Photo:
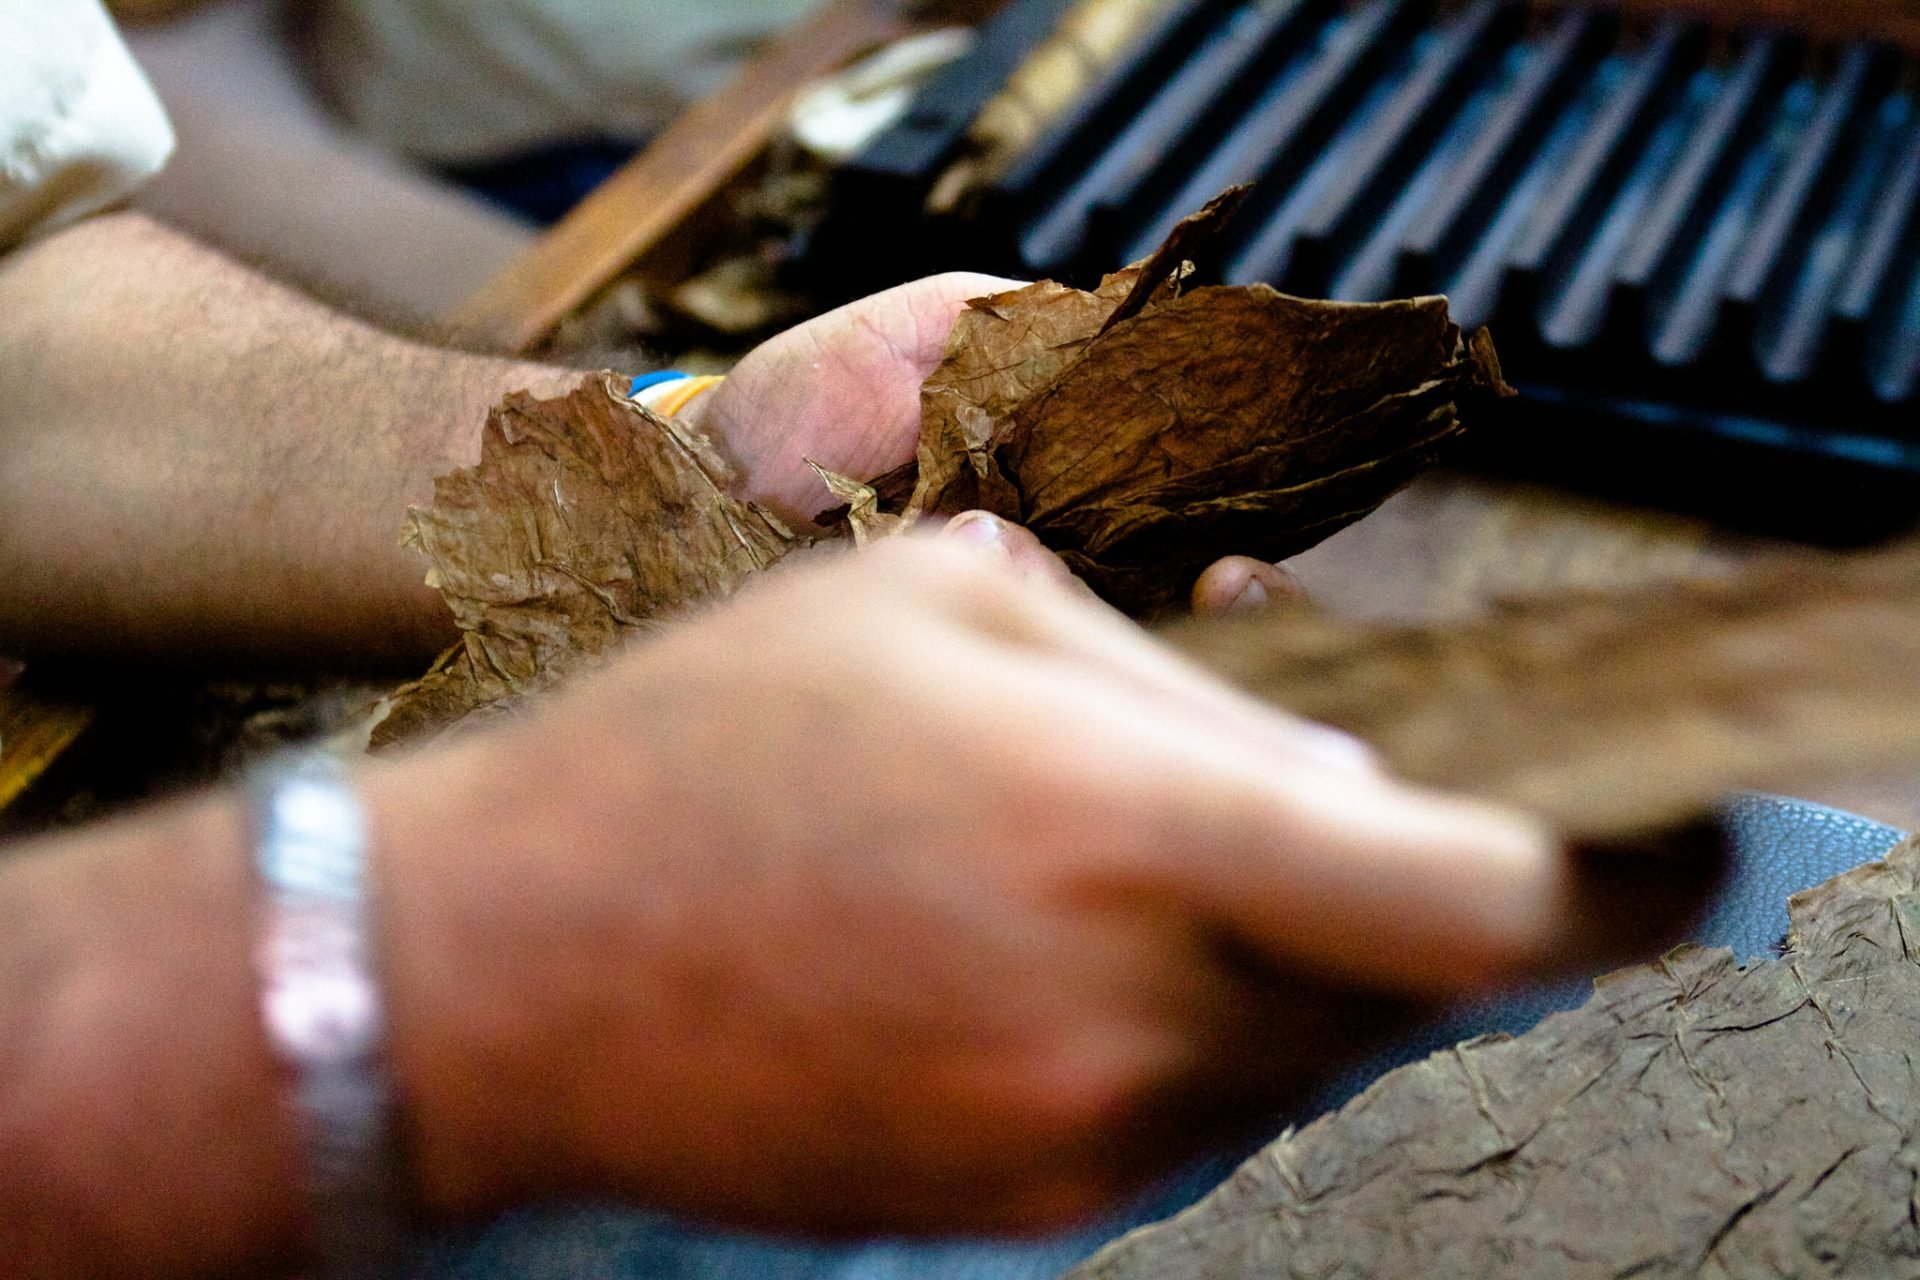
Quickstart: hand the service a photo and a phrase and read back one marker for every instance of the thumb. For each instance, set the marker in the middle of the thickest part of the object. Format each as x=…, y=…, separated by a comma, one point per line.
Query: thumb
x=1013, y=544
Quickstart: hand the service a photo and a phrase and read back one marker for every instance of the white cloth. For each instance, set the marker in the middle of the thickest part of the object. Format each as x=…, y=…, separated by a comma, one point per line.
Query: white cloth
x=472, y=80
x=80, y=127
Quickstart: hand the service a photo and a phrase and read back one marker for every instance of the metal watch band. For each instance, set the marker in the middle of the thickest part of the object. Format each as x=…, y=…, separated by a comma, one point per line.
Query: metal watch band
x=321, y=1006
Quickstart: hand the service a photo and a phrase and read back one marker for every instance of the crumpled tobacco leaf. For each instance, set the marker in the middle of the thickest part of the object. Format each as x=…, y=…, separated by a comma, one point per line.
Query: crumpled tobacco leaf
x=1160, y=276
x=1143, y=432
x=1003, y=349
x=586, y=518
x=1695, y=1118
x=1140, y=431
x=1614, y=714
x=1611, y=716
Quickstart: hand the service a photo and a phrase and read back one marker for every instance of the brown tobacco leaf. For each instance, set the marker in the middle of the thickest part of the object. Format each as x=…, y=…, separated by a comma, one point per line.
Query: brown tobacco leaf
x=1694, y=1119
x=1141, y=447
x=1159, y=277
x=1233, y=421
x=587, y=518
x=1611, y=715
x=1003, y=348
x=864, y=518
x=1008, y=346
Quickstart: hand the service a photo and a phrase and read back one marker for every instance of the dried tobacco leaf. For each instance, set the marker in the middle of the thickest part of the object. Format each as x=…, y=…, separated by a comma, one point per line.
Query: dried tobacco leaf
x=863, y=516
x=1003, y=348
x=1615, y=714
x=1610, y=716
x=1695, y=1118
x=1233, y=421
x=1140, y=432
x=1159, y=277
x=1143, y=432
x=1008, y=346
x=586, y=518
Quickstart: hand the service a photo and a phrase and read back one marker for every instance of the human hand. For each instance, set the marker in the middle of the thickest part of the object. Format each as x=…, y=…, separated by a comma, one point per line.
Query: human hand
x=900, y=893
x=844, y=390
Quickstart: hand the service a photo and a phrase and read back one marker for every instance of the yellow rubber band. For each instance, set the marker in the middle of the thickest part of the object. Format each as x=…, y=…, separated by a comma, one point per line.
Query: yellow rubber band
x=685, y=392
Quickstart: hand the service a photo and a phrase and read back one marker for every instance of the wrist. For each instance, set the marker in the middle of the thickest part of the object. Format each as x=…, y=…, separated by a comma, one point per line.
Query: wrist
x=144, y=1118
x=474, y=848
x=415, y=809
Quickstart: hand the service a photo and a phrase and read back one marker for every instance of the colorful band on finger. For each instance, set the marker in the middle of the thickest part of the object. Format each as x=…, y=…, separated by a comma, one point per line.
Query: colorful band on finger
x=648, y=381
x=683, y=393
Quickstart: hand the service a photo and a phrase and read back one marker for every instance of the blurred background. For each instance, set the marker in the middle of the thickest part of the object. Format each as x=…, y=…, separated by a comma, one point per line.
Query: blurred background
x=1691, y=224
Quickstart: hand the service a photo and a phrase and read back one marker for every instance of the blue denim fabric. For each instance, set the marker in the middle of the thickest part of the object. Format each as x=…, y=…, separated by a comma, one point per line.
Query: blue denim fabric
x=604, y=1243
x=543, y=185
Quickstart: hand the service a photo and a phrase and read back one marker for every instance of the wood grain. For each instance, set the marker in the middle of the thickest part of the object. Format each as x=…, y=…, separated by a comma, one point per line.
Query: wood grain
x=664, y=188
x=35, y=729
x=1894, y=21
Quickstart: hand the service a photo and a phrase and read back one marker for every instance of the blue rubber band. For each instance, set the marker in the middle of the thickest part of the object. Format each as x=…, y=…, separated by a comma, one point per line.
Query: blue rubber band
x=646, y=380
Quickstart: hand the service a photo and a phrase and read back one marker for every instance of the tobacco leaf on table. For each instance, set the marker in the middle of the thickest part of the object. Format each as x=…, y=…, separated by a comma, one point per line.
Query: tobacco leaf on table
x=587, y=518
x=1143, y=431
x=1614, y=714
x=1694, y=1118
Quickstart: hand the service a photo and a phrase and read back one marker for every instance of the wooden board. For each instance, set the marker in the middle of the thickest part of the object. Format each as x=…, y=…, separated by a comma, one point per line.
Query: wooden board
x=35, y=729
x=1895, y=21
x=661, y=189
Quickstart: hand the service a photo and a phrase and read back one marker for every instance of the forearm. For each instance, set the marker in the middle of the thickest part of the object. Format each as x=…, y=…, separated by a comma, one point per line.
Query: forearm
x=194, y=460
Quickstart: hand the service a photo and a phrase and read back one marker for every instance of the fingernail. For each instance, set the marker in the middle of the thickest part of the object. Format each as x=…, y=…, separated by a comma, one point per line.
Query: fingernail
x=1336, y=748
x=978, y=529
x=1252, y=596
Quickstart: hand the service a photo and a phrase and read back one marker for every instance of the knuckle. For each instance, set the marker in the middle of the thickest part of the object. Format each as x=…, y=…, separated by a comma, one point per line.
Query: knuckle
x=1076, y=1091
x=920, y=569
x=989, y=592
x=951, y=280
x=956, y=283
x=1490, y=960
